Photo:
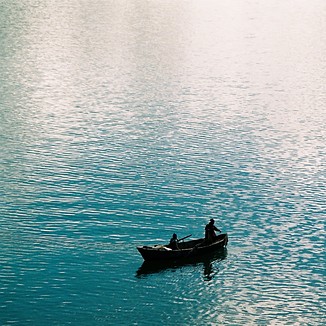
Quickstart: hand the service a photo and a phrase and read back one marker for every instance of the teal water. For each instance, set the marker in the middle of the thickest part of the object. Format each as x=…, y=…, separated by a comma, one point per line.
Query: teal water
x=122, y=122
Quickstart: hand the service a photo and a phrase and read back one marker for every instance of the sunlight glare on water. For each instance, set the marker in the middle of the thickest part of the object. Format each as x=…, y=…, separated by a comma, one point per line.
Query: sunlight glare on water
x=122, y=122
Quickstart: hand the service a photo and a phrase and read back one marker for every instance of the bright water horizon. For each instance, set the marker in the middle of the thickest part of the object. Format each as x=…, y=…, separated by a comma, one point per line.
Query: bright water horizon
x=125, y=121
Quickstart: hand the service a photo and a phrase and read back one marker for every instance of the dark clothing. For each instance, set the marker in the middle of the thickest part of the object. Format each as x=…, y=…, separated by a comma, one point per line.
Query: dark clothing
x=173, y=244
x=210, y=234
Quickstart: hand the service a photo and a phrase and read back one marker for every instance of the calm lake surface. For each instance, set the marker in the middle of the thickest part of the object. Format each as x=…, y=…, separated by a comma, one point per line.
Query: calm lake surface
x=122, y=122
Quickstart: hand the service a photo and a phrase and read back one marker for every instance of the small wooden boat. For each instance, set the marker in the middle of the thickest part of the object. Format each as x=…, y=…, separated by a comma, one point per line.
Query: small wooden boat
x=187, y=249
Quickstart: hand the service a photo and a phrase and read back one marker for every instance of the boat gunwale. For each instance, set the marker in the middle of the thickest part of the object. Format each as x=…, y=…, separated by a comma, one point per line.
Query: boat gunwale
x=162, y=252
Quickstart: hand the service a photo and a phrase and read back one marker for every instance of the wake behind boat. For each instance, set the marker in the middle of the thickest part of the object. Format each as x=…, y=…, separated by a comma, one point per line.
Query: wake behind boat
x=186, y=249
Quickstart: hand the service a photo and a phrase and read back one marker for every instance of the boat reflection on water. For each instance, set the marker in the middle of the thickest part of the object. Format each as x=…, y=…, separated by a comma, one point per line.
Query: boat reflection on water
x=209, y=269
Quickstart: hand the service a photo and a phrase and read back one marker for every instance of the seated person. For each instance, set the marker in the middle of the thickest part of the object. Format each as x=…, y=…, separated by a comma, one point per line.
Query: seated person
x=174, y=242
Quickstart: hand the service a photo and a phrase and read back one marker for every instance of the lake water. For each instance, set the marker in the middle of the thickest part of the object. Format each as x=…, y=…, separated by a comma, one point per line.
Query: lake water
x=122, y=122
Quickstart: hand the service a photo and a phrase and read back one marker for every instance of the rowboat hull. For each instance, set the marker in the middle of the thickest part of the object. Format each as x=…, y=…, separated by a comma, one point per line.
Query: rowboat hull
x=187, y=249
x=156, y=266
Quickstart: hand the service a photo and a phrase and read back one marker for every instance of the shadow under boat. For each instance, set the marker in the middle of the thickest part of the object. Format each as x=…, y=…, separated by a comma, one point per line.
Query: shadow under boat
x=153, y=267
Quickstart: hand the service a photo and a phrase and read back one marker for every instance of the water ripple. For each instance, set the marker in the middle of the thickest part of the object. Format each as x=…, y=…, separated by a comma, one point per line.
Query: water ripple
x=122, y=123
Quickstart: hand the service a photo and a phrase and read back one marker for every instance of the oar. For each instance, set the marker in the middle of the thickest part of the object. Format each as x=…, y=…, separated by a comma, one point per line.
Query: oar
x=185, y=237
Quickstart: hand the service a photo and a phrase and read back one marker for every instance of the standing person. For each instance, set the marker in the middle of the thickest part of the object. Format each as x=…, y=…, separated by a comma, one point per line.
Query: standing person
x=210, y=229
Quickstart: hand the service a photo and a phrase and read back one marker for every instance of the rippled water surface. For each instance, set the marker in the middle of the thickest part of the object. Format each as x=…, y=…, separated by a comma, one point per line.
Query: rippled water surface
x=122, y=122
